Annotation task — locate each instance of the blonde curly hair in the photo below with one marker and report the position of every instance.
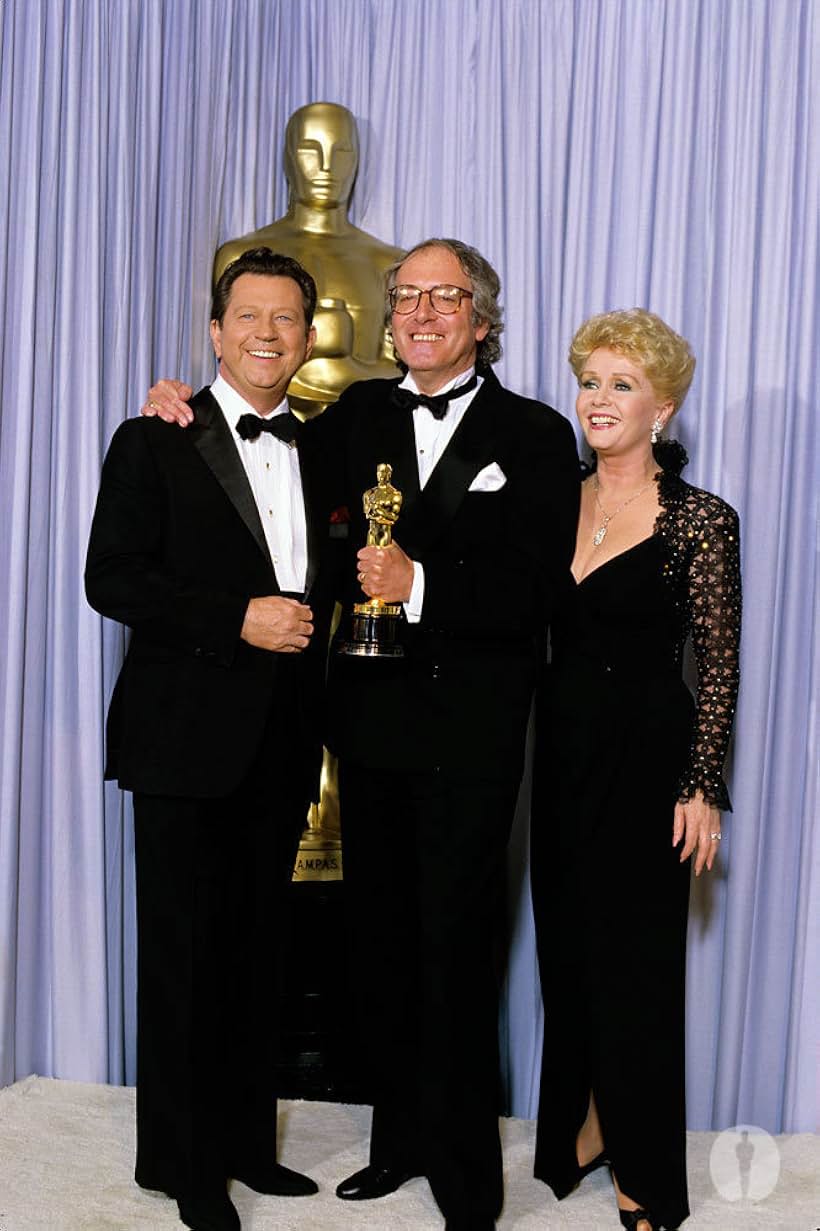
(644, 338)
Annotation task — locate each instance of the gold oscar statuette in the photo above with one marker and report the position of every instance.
(374, 623)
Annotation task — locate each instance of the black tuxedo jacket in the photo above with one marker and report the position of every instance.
(494, 563)
(176, 552)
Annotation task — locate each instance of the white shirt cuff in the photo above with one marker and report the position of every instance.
(414, 604)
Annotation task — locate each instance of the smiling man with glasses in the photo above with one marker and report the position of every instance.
(482, 546)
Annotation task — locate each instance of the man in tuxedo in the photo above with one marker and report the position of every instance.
(431, 745)
(211, 545)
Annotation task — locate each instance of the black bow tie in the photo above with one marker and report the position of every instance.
(286, 426)
(405, 399)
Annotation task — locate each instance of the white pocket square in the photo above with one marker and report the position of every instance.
(491, 479)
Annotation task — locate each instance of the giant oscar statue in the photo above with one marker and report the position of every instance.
(349, 266)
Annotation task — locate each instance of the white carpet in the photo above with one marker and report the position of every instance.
(66, 1164)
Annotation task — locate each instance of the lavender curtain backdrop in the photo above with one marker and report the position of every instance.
(602, 153)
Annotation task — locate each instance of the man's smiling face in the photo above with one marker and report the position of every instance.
(436, 347)
(263, 338)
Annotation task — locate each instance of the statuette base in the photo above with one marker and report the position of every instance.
(374, 631)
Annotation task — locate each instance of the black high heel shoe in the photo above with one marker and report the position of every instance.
(631, 1218)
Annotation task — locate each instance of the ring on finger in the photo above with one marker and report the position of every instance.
(715, 837)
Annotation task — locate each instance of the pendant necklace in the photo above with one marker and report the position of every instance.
(600, 534)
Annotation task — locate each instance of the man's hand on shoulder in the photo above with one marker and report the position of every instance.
(281, 624)
(169, 400)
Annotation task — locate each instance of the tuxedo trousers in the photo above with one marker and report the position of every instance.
(424, 859)
(212, 882)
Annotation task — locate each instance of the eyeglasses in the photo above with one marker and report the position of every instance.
(443, 299)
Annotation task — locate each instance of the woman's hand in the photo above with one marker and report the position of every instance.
(695, 823)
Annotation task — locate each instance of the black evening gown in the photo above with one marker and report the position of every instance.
(620, 739)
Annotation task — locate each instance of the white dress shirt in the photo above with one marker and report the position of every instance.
(273, 472)
(432, 438)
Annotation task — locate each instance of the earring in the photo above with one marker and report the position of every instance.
(655, 434)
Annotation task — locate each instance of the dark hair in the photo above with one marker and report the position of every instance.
(272, 264)
(486, 289)
(669, 454)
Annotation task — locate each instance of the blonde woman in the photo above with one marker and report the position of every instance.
(629, 787)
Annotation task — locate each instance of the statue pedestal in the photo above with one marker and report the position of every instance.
(316, 1056)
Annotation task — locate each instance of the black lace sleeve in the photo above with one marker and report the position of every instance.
(710, 532)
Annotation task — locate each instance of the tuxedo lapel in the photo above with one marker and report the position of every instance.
(215, 445)
(470, 449)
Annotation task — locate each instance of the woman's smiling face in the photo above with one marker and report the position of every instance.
(616, 404)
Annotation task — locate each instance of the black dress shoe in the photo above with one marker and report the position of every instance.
(474, 1224)
(373, 1182)
(274, 1180)
(211, 1212)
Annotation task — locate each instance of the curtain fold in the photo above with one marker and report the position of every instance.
(601, 155)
